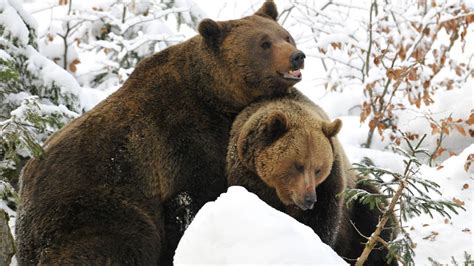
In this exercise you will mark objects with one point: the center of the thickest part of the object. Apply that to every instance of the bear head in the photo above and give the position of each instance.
(254, 55)
(290, 151)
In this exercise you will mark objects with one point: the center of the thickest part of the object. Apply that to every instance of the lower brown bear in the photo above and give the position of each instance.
(286, 152)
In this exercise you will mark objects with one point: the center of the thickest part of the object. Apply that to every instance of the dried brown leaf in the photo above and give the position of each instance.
(412, 74)
(438, 152)
(377, 60)
(72, 65)
(470, 120)
(443, 58)
(432, 236)
(460, 129)
(469, 161)
(336, 45)
(402, 53)
(470, 19)
(372, 124)
(419, 55)
(458, 201)
(426, 84)
(417, 102)
(434, 129)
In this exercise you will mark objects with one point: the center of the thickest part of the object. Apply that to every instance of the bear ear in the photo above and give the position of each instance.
(211, 32)
(274, 126)
(331, 129)
(268, 9)
(257, 136)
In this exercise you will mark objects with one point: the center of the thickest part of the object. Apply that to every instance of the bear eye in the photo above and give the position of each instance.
(266, 44)
(299, 167)
(287, 39)
(316, 172)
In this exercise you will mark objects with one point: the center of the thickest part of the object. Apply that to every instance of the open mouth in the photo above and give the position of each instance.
(293, 75)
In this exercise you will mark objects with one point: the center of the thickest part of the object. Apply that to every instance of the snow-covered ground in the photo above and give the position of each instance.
(238, 228)
(438, 237)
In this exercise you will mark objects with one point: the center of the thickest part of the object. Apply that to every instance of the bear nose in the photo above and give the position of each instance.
(309, 201)
(297, 60)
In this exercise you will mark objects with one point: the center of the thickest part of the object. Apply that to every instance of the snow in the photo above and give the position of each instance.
(16, 98)
(239, 228)
(9, 16)
(51, 73)
(5, 56)
(90, 97)
(54, 49)
(27, 17)
(4, 187)
(449, 237)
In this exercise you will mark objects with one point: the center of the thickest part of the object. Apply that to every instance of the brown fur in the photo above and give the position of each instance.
(285, 150)
(106, 190)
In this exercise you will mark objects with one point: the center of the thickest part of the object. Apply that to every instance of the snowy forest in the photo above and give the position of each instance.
(398, 73)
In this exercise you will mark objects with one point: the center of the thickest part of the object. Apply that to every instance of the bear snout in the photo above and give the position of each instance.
(309, 200)
(296, 63)
(305, 201)
(297, 60)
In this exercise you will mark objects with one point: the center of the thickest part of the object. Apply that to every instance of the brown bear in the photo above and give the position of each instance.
(285, 150)
(107, 188)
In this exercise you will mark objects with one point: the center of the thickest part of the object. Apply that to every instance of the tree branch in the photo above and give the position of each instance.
(374, 237)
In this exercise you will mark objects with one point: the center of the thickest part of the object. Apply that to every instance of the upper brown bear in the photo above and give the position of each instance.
(286, 151)
(105, 190)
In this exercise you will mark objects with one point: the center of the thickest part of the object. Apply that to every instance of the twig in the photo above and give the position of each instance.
(386, 215)
(367, 60)
(338, 61)
(285, 13)
(373, 238)
(357, 229)
(155, 17)
(385, 244)
(66, 35)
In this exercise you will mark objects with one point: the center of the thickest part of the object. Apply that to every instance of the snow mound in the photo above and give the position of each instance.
(438, 237)
(239, 228)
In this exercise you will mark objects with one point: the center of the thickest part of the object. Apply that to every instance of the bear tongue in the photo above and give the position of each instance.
(296, 74)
